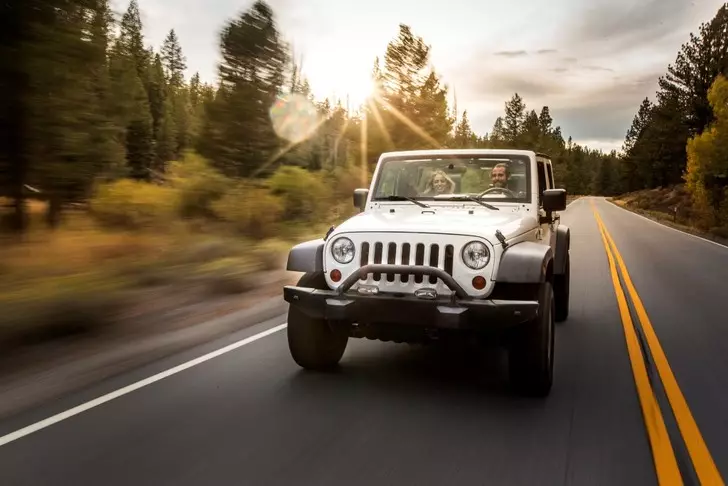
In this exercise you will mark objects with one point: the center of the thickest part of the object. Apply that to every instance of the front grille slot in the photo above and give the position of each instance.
(377, 259)
(419, 260)
(405, 261)
(433, 255)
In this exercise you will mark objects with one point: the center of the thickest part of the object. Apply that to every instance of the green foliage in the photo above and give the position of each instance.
(100, 105)
(198, 185)
(655, 145)
(303, 192)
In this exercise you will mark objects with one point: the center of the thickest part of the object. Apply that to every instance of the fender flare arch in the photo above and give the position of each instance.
(563, 244)
(307, 257)
(526, 262)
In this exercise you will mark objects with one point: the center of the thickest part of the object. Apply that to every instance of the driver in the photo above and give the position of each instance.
(499, 176)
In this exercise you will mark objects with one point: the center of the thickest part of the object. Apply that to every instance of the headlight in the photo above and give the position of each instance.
(476, 255)
(343, 250)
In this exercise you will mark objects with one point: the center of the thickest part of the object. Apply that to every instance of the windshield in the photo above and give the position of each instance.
(498, 178)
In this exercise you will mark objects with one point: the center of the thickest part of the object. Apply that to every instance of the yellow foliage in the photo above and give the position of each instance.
(708, 157)
(132, 204)
(198, 185)
(252, 210)
(303, 193)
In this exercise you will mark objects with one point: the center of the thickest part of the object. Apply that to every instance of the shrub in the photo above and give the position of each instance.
(344, 181)
(198, 185)
(131, 204)
(253, 211)
(303, 193)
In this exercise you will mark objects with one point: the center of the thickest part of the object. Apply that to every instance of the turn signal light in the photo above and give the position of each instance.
(335, 275)
(478, 283)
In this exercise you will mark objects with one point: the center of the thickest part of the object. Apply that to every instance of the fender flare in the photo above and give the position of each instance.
(563, 243)
(526, 262)
(307, 257)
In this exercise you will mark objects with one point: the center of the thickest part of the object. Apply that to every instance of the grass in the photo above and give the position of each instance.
(82, 277)
(660, 205)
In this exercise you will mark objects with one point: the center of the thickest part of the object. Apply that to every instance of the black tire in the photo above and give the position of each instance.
(313, 344)
(531, 353)
(561, 292)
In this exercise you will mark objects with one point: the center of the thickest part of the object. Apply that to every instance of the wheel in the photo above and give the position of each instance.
(313, 344)
(561, 293)
(531, 353)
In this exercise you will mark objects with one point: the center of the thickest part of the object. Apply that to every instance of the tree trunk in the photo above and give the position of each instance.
(54, 212)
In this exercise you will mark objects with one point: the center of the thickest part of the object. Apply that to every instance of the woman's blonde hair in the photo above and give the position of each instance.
(430, 186)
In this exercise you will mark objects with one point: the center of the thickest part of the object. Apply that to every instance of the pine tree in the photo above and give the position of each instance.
(699, 61)
(414, 105)
(514, 118)
(464, 136)
(131, 40)
(238, 133)
(498, 133)
(530, 135)
(545, 121)
(174, 60)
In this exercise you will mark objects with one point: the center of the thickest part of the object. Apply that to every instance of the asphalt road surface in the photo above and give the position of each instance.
(400, 415)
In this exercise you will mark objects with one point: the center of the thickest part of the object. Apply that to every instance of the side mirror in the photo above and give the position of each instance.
(554, 200)
(360, 198)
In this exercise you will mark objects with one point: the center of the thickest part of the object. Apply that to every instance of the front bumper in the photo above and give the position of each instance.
(459, 311)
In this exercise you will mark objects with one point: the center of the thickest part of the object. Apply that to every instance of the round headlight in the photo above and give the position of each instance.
(476, 255)
(343, 250)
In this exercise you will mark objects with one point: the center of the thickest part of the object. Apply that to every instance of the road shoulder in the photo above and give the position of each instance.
(687, 230)
(41, 373)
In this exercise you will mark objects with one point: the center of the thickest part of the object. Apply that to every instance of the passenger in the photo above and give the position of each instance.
(438, 184)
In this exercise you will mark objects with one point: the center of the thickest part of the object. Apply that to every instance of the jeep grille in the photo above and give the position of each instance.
(432, 255)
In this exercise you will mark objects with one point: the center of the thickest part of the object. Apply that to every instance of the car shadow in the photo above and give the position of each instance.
(419, 374)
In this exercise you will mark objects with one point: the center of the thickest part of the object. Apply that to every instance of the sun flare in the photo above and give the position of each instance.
(349, 86)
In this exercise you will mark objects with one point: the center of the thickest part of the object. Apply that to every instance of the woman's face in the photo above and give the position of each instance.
(439, 183)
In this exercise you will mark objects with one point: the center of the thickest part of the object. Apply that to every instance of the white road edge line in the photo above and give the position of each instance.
(13, 436)
(666, 226)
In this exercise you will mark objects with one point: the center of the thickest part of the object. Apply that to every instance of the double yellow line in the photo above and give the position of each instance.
(662, 450)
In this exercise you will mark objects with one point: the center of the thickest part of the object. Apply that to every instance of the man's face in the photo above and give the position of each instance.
(498, 177)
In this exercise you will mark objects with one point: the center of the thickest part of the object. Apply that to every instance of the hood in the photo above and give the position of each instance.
(449, 220)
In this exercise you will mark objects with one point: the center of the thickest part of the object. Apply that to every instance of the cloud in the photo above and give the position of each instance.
(511, 53)
(620, 25)
(597, 68)
(502, 85)
(606, 111)
(542, 52)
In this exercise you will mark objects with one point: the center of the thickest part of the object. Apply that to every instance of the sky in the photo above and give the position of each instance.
(591, 62)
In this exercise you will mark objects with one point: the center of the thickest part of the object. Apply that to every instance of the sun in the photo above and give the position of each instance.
(348, 85)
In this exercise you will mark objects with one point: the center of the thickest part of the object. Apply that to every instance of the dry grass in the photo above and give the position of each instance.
(80, 278)
(660, 204)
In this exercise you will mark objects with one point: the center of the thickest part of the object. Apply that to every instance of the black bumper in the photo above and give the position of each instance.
(442, 313)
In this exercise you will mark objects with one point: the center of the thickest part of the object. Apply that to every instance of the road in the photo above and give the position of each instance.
(400, 415)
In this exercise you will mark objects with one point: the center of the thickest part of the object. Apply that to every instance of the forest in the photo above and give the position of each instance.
(94, 117)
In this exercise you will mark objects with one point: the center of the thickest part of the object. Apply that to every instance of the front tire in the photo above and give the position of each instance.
(313, 344)
(561, 292)
(531, 353)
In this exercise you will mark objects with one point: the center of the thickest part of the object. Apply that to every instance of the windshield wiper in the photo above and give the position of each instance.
(402, 198)
(474, 199)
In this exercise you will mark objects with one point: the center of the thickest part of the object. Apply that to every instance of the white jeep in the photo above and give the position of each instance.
(448, 243)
